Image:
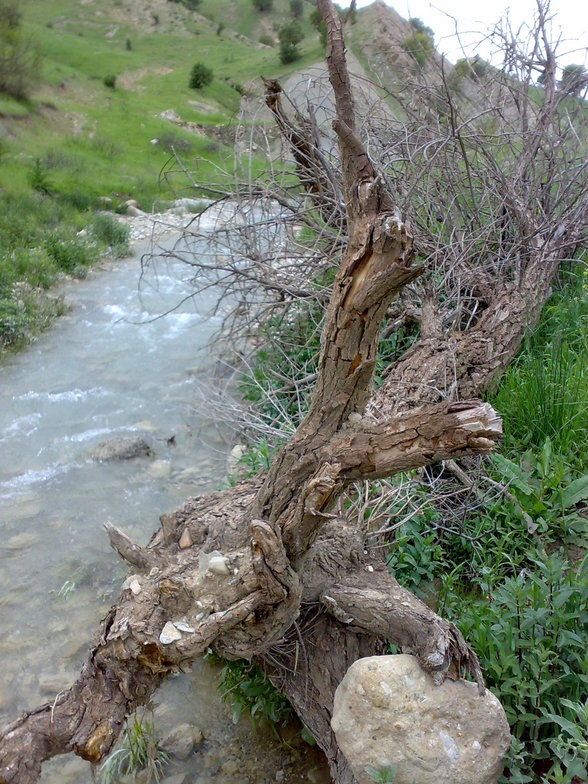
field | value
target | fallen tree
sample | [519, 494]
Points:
[268, 569]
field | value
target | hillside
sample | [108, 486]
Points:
[111, 99]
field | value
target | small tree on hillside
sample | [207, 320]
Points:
[200, 76]
[290, 36]
[19, 58]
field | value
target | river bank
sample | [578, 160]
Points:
[111, 368]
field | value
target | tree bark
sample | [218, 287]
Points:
[293, 587]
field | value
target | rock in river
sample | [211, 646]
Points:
[121, 449]
[388, 713]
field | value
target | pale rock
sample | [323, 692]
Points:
[218, 564]
[169, 634]
[182, 740]
[234, 457]
[154, 142]
[135, 587]
[21, 541]
[185, 539]
[160, 469]
[121, 449]
[171, 115]
[388, 712]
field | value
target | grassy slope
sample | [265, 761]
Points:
[98, 139]
[94, 141]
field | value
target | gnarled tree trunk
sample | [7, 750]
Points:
[295, 589]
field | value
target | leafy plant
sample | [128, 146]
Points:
[547, 495]
[529, 634]
[110, 80]
[246, 690]
[138, 751]
[71, 254]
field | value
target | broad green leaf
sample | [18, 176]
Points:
[575, 492]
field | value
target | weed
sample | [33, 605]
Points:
[385, 775]
[66, 589]
[138, 751]
[109, 81]
[39, 179]
[246, 690]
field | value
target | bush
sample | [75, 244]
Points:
[19, 57]
[296, 8]
[266, 39]
[200, 76]
[71, 255]
[419, 46]
[263, 5]
[112, 233]
[109, 81]
[420, 27]
[290, 36]
[472, 68]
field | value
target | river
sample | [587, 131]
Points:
[110, 368]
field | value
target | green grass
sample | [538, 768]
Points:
[77, 140]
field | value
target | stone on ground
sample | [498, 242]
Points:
[388, 713]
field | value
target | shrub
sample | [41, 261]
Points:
[290, 36]
[200, 76]
[472, 68]
[109, 81]
[319, 24]
[19, 57]
[419, 46]
[266, 39]
[128, 45]
[420, 27]
[263, 5]
[112, 233]
[296, 8]
[71, 255]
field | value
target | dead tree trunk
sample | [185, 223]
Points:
[293, 587]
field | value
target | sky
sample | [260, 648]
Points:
[475, 18]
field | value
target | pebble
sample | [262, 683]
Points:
[160, 469]
[169, 634]
[218, 564]
[21, 541]
[135, 587]
[185, 539]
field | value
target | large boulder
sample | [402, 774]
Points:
[388, 713]
[121, 449]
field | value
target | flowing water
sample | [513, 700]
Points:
[99, 374]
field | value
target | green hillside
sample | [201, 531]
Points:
[97, 139]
